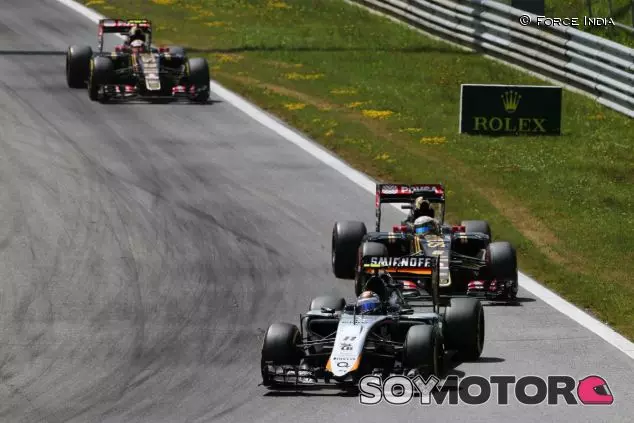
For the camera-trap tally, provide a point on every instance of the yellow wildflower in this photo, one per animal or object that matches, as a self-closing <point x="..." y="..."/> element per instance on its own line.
<point x="164" y="2"/>
<point x="377" y="114"/>
<point x="229" y="58"/>
<point x="382" y="156"/>
<point x="94" y="2"/>
<point x="216" y="24"/>
<point x="343" y="91"/>
<point x="294" y="106"/>
<point x="306" y="76"/>
<point x="355" y="104"/>
<point x="278" y="5"/>
<point x="433" y="140"/>
<point x="330" y="133"/>
<point x="411" y="130"/>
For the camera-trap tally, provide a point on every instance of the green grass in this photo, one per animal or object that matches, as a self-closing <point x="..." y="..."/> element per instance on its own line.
<point x="565" y="202"/>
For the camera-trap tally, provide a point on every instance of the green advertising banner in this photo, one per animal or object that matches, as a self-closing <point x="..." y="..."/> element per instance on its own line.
<point x="510" y="109"/>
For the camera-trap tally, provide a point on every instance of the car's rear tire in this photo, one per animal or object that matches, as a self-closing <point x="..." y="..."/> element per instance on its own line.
<point x="346" y="239"/>
<point x="502" y="263"/>
<point x="101" y="71"/>
<point x="422" y="350"/>
<point x="78" y="66"/>
<point x="280" y="347"/>
<point x="464" y="327"/>
<point x="479" y="226"/>
<point x="197" y="71"/>
<point x="327" y="301"/>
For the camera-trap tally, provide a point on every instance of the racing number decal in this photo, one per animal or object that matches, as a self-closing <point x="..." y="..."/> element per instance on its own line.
<point x="349" y="338"/>
<point x="346" y="347"/>
<point x="436" y="244"/>
<point x="343" y="364"/>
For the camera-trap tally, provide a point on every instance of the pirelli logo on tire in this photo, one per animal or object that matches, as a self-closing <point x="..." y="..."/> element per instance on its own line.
<point x="510" y="109"/>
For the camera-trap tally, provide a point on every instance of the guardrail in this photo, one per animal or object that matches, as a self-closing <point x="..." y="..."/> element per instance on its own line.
<point x="597" y="66"/>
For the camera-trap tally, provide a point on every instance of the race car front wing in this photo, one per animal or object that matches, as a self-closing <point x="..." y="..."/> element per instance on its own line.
<point x="130" y="92"/>
<point x="306" y="377"/>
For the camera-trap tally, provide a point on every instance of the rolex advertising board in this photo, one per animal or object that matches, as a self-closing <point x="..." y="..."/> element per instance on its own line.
<point x="510" y="109"/>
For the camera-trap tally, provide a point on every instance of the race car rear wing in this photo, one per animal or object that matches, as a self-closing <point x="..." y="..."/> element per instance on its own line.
<point x="414" y="267"/>
<point x="122" y="26"/>
<point x="401" y="193"/>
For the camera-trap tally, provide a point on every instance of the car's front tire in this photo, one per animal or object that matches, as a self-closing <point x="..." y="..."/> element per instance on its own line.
<point x="464" y="327"/>
<point x="101" y="70"/>
<point x="78" y="66"/>
<point x="280" y="347"/>
<point x="423" y="350"/>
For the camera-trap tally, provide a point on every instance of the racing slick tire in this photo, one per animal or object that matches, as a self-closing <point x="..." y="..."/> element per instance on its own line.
<point x="346" y="239"/>
<point x="502" y="263"/>
<point x="368" y="249"/>
<point x="423" y="350"/>
<point x="327" y="301"/>
<point x="477" y="226"/>
<point x="78" y="66"/>
<point x="198" y="76"/>
<point x="280" y="347"/>
<point x="464" y="320"/>
<point x="101" y="70"/>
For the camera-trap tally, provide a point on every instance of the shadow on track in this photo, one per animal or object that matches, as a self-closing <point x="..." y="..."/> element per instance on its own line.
<point x="32" y="53"/>
<point x="517" y="303"/>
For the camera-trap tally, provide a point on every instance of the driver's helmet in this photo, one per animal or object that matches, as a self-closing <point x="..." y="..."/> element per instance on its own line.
<point x="136" y="33"/>
<point x="424" y="225"/>
<point x="422" y="207"/>
<point x="138" y="46"/>
<point x="368" y="302"/>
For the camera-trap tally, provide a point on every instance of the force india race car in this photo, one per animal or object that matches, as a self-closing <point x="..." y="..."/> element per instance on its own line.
<point x="136" y="70"/>
<point x="339" y="343"/>
<point x="469" y="262"/>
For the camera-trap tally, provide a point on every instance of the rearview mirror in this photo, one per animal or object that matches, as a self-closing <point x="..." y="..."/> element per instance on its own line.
<point x="406" y="206"/>
<point x="328" y="310"/>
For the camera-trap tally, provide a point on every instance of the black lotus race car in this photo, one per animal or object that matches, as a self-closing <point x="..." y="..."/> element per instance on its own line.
<point x="338" y="343"/>
<point x="139" y="71"/>
<point x="469" y="262"/>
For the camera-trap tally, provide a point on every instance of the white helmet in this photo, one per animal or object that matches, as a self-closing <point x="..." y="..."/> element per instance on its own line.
<point x="424" y="225"/>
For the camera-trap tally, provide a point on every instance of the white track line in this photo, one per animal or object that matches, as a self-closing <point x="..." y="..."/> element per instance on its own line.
<point x="546" y="295"/>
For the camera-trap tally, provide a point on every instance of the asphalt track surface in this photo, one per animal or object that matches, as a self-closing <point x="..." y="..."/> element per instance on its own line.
<point x="146" y="248"/>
